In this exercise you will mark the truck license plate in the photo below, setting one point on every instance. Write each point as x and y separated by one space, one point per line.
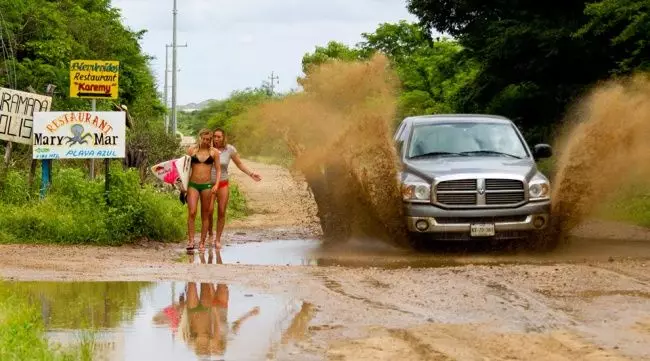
482 230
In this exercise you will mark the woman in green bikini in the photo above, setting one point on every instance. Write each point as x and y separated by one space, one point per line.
204 159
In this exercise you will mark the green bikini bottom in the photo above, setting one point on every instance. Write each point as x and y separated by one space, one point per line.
200 186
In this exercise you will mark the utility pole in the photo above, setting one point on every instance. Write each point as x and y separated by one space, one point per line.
174 12
272 84
167 46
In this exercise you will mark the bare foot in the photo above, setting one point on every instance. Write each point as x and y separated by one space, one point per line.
190 246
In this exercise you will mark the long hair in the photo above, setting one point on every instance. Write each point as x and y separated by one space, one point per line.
203 132
225 138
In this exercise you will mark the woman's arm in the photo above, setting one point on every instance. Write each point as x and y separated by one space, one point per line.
215 153
243 168
237 324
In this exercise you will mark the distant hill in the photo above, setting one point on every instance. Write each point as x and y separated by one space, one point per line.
194 106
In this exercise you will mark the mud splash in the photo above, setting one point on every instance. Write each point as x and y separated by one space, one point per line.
606 146
338 130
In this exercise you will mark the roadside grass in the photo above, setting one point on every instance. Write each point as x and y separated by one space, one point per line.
629 204
75 210
22 333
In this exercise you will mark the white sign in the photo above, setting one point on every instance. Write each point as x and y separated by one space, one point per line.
79 135
17 113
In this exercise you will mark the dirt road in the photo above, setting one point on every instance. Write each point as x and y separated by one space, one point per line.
371 302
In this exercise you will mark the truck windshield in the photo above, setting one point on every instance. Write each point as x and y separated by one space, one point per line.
466 139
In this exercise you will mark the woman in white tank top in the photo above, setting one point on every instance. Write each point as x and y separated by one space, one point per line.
228 152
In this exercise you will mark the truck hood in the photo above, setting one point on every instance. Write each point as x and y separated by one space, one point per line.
430 168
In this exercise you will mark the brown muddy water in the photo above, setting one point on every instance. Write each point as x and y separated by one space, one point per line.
380 255
165 320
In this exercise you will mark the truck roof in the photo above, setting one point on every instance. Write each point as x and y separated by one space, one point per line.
435 118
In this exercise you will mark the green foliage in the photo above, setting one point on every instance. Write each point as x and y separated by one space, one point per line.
222 113
84 305
629 204
236 204
22 332
241 127
432 72
333 50
45 40
75 211
537 58
44 36
625 25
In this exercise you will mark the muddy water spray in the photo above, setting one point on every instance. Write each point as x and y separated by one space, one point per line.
339 131
607 145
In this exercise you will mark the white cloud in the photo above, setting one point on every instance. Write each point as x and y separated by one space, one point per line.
236 44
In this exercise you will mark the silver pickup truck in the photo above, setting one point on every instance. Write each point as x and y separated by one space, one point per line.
471 177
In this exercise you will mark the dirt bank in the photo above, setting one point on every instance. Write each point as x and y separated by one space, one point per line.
279 201
374 303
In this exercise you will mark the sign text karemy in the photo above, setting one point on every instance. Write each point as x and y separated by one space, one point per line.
94 79
59 135
17 113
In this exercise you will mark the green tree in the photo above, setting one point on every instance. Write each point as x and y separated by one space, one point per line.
624 26
537 58
333 50
42 37
432 71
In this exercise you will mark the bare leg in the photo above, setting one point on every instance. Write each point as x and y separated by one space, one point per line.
211 223
192 202
222 200
206 198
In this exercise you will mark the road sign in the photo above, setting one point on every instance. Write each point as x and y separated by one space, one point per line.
82 135
17 113
94 79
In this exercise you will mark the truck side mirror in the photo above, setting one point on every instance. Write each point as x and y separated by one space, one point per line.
542 151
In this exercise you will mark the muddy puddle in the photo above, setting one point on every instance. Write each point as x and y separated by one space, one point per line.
167 320
376 254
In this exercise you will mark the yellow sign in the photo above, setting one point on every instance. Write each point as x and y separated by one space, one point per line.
94 79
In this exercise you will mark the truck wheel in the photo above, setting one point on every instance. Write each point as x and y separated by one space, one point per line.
543 241
417 241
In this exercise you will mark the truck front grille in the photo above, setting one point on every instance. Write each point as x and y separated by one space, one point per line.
458 185
480 192
504 198
503 185
467 199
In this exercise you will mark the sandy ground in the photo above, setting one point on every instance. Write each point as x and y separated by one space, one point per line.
371 302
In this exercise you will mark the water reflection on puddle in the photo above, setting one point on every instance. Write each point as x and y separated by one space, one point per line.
169 320
284 252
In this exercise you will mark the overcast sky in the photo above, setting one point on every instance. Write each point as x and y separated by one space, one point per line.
238 43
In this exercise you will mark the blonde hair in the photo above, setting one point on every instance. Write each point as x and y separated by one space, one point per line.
203 132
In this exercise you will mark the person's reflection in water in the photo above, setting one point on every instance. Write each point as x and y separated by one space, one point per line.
204 321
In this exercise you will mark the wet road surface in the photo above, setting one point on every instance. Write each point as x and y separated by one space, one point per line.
359 300
353 302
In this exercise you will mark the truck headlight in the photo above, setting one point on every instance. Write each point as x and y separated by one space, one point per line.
416 192
539 190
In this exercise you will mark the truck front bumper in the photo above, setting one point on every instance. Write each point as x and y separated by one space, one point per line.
508 223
